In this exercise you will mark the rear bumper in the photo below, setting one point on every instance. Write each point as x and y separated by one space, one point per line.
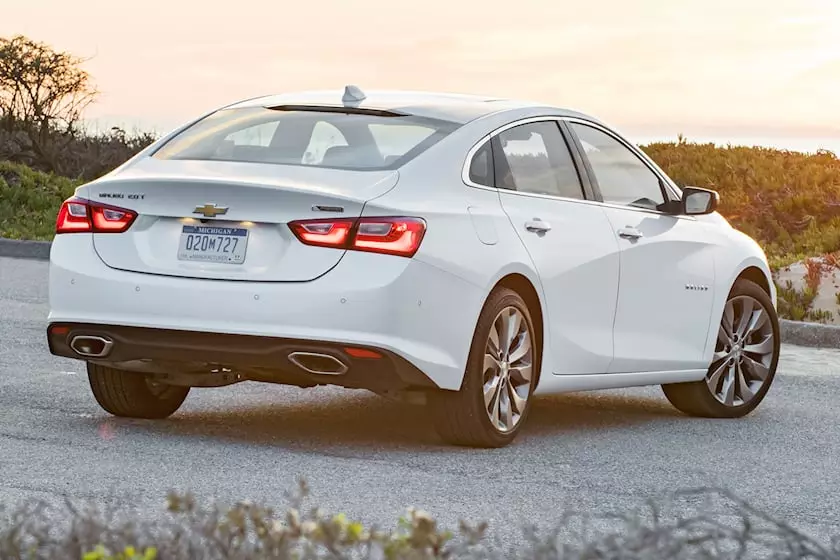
411 310
257 358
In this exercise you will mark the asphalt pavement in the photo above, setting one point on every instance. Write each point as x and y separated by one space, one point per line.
372 458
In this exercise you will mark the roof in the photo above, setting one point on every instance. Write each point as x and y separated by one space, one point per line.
458 108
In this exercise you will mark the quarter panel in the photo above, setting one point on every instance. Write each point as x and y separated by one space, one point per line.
480 255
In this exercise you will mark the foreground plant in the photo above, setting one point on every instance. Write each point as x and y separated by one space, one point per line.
704 523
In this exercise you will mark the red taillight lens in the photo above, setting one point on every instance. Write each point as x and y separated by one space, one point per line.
83 216
393 236
73 217
111 220
323 233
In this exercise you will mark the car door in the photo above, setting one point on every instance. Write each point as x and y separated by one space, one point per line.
666 289
570 242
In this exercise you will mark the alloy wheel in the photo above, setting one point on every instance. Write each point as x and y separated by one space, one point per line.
744 352
508 368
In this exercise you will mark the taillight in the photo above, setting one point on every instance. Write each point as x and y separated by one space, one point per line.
78 215
323 233
395 236
392 236
73 217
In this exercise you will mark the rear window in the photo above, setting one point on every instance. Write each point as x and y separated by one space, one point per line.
318 138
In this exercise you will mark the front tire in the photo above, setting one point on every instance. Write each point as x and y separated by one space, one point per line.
744 363
494 400
133 395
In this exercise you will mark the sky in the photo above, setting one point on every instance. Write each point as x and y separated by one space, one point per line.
719 70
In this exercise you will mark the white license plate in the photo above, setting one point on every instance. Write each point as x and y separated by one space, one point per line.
213 244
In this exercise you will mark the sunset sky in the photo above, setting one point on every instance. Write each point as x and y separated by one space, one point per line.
715 69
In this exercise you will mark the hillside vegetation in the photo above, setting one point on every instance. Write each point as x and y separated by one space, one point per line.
788 201
29 201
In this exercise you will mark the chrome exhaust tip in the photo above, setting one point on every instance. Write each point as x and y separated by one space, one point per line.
320 364
91 346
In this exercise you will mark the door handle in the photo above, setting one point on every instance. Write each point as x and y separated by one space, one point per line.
537 226
629 232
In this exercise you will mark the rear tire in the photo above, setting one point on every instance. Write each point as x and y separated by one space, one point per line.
133 395
495 396
744 363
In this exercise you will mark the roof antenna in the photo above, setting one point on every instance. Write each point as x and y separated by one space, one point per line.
353 94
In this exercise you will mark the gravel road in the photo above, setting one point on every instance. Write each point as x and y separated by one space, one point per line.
371 457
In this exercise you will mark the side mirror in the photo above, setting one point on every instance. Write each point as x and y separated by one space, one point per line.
696 201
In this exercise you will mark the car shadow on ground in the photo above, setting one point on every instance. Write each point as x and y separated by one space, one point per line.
351 419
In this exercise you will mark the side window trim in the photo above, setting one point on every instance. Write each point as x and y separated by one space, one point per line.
498 156
589 193
590 187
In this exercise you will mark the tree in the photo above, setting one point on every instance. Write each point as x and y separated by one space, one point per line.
43 94
40 86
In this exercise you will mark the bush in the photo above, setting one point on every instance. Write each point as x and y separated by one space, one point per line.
724 527
81 156
43 94
788 201
29 201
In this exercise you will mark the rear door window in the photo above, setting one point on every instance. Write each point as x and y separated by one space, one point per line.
534 158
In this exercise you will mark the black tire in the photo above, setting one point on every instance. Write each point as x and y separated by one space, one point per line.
130 395
697 399
461 417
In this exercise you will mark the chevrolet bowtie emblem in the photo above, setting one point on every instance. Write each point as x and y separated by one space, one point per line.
210 210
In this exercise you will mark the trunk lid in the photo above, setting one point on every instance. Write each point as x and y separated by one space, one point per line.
250 240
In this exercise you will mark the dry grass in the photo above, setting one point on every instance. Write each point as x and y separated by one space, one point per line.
703 523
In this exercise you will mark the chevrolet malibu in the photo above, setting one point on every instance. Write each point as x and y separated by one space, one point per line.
462 252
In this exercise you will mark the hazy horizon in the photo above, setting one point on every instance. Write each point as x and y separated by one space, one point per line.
712 70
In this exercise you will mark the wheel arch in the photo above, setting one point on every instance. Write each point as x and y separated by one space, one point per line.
754 269
757 276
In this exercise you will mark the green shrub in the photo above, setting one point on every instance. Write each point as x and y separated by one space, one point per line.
788 201
29 201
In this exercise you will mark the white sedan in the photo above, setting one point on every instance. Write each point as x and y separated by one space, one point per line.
463 252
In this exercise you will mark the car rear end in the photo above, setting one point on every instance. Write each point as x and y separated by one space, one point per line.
243 247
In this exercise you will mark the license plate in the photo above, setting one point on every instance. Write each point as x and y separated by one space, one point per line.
213 244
